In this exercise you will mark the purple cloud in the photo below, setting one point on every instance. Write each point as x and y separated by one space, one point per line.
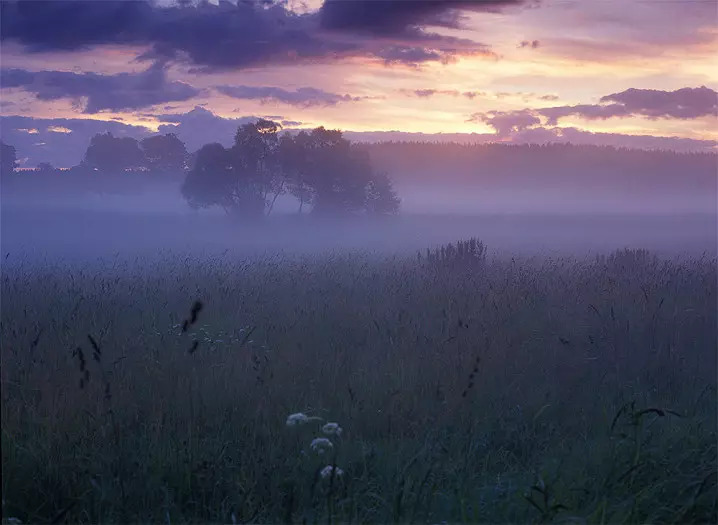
684 103
507 122
303 97
248 34
94 93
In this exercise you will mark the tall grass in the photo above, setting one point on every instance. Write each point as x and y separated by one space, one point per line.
532 390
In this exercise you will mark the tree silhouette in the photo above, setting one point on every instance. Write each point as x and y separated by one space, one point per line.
211 179
258 177
382 199
110 154
321 169
164 154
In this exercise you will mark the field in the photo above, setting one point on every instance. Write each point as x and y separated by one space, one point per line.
511 390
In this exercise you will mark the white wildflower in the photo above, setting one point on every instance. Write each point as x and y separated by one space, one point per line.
321 445
327 471
332 429
297 419
300 419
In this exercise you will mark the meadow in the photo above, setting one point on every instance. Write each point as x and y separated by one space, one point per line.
506 390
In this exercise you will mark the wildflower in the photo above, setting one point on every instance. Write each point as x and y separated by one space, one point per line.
299 419
321 445
328 470
332 429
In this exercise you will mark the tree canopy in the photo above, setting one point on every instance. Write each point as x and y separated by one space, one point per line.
164 154
112 154
321 169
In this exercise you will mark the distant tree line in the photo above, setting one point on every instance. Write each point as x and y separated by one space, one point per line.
325 172
484 166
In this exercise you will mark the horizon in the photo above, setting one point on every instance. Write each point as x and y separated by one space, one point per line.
642 76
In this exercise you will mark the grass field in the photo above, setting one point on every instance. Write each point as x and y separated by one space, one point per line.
515 391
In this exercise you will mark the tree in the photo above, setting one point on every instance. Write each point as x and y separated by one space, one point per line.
382 199
338 173
209 182
164 154
8 160
259 179
111 154
293 158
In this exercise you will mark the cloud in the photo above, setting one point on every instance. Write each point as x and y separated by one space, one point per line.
248 34
685 103
291 123
303 97
398 18
94 93
533 44
507 122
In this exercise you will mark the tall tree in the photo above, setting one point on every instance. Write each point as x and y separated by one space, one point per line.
294 160
338 173
382 198
165 154
210 181
111 154
258 172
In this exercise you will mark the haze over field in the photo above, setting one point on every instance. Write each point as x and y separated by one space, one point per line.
485 107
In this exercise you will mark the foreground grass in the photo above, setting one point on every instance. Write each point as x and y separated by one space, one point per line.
527 391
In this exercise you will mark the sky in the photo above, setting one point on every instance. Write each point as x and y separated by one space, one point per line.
634 73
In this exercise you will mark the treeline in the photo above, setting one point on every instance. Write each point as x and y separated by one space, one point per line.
326 173
489 165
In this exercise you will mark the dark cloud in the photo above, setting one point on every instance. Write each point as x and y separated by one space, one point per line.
51 25
532 44
399 18
302 97
94 93
685 103
291 123
248 34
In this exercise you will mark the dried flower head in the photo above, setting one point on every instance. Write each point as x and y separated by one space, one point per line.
332 429
328 470
300 419
321 445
